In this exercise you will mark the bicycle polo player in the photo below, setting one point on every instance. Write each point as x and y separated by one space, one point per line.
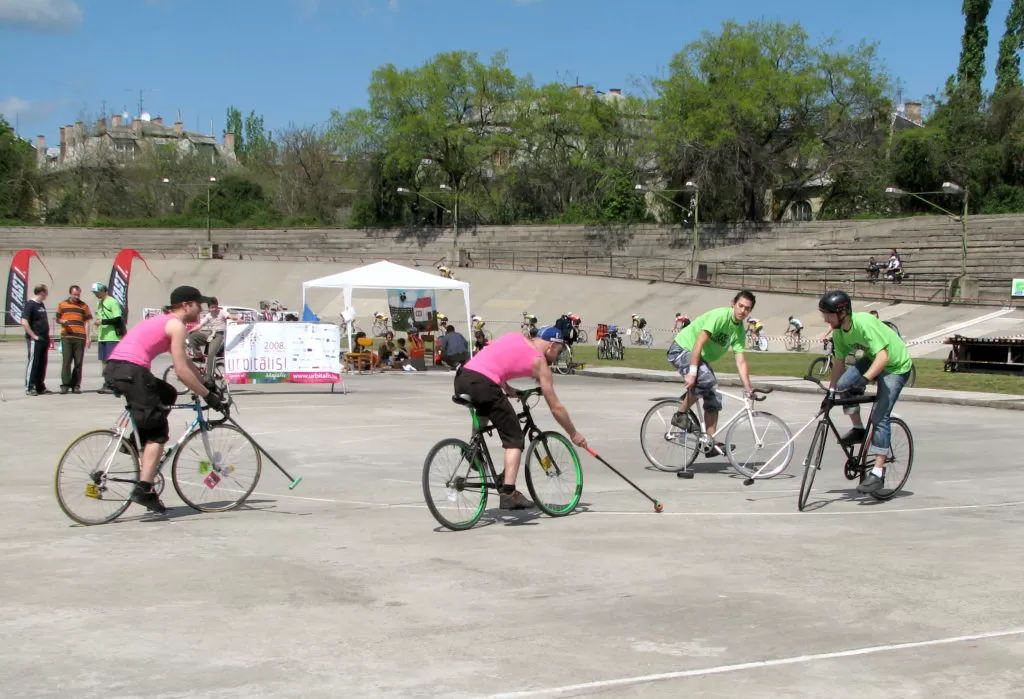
484 378
697 345
886 360
129 371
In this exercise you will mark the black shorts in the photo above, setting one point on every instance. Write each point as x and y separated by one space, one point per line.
492 403
147 396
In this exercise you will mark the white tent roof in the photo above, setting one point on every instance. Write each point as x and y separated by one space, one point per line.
385 275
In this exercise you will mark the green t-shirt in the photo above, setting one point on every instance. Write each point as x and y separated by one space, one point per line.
872 335
105 310
724 331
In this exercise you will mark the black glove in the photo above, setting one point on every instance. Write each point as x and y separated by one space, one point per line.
215 400
858 386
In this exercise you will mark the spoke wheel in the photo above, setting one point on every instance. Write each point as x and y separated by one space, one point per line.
755 439
454 487
216 470
553 474
812 464
898 462
90 492
667 447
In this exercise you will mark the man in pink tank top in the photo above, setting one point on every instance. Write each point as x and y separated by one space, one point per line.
128 371
484 378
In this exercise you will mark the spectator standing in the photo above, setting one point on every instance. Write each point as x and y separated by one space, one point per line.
454 348
37 339
73 316
111 324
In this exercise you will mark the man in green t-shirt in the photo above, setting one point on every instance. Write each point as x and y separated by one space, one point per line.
885 359
108 320
701 342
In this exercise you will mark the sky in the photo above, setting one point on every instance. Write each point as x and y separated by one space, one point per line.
293 61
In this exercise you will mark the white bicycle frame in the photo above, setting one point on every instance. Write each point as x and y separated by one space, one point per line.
746 411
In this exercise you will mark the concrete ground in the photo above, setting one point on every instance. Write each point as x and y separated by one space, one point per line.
346 586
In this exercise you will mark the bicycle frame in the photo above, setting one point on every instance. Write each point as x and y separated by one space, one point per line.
746 411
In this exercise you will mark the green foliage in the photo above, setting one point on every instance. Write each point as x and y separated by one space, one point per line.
1012 43
17 175
233 200
1003 199
971 70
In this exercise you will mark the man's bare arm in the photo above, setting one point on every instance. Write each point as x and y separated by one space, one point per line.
183 366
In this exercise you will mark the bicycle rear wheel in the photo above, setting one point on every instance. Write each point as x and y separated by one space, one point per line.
897 463
454 484
563 365
754 440
812 464
215 470
582 336
88 490
667 447
912 379
553 474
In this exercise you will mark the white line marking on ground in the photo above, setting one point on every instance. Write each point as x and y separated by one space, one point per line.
756 665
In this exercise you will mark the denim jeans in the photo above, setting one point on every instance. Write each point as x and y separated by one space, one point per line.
889 387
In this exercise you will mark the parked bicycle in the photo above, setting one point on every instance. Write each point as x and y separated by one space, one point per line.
750 435
457 475
609 344
858 463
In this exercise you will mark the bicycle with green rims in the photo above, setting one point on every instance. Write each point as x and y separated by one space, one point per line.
457 475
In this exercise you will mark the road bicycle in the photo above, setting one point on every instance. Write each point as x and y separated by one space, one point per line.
610 344
822 366
756 342
641 336
214 467
457 475
858 462
795 343
750 435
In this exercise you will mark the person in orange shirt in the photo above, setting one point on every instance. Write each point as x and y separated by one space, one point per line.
73 316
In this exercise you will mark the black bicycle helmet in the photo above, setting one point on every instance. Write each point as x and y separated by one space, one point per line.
835 301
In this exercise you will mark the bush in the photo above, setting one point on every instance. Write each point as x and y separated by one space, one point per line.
1003 199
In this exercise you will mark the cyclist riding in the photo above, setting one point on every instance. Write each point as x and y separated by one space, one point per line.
639 322
885 359
755 326
129 371
795 326
484 378
569 332
696 347
529 324
478 323
681 322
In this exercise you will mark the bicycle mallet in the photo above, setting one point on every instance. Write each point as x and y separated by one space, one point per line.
293 481
657 505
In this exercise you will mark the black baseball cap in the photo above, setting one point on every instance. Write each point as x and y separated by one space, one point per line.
184 294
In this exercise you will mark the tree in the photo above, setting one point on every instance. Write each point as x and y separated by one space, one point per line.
971 70
308 186
758 107
254 145
17 175
1012 43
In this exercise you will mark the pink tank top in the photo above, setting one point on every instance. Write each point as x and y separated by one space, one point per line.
511 356
144 342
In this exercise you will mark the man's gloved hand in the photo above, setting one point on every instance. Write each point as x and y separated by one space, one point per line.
858 386
215 400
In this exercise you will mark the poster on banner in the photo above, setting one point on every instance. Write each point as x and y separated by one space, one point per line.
412 310
283 353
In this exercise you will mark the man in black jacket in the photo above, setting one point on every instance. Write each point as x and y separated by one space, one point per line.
37 338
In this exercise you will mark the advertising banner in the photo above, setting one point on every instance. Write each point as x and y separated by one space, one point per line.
283 353
412 310
1018 288
121 276
17 285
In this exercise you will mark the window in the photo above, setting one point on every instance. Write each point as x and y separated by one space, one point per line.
801 211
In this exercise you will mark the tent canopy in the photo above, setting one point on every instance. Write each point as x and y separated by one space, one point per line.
386 275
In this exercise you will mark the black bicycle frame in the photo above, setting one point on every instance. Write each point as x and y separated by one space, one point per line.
852 458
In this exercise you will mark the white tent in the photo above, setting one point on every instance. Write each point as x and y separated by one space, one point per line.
385 275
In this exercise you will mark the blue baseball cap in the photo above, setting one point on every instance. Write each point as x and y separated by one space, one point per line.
551 334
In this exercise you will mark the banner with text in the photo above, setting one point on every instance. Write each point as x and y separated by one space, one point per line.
283 353
412 310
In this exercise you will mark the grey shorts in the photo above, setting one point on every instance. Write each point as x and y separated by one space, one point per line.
706 386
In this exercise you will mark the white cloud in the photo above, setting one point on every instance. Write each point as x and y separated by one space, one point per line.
41 15
13 105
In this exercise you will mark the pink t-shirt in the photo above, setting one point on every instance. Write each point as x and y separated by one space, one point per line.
511 356
144 342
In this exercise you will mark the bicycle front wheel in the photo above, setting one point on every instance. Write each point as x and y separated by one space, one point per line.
215 470
759 443
582 336
95 477
666 446
898 462
812 464
819 367
454 484
553 474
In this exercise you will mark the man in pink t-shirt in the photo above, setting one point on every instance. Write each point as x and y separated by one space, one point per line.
484 378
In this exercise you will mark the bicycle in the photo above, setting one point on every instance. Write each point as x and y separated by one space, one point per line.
609 344
564 364
529 325
110 462
198 358
795 343
641 336
822 366
381 325
756 342
478 328
749 433
858 462
466 471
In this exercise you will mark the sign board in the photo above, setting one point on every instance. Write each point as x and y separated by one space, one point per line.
283 353
412 310
1018 288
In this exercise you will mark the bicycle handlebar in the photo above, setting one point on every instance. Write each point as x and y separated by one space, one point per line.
833 399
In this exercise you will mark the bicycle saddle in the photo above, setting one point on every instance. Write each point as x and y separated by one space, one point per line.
462 399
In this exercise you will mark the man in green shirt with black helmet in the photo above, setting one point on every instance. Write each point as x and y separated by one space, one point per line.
885 360
701 342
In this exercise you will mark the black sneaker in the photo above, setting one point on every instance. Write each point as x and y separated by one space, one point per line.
854 436
683 421
871 484
717 449
515 501
148 499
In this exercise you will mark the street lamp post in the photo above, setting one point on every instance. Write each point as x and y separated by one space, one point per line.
692 188
209 183
947 188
